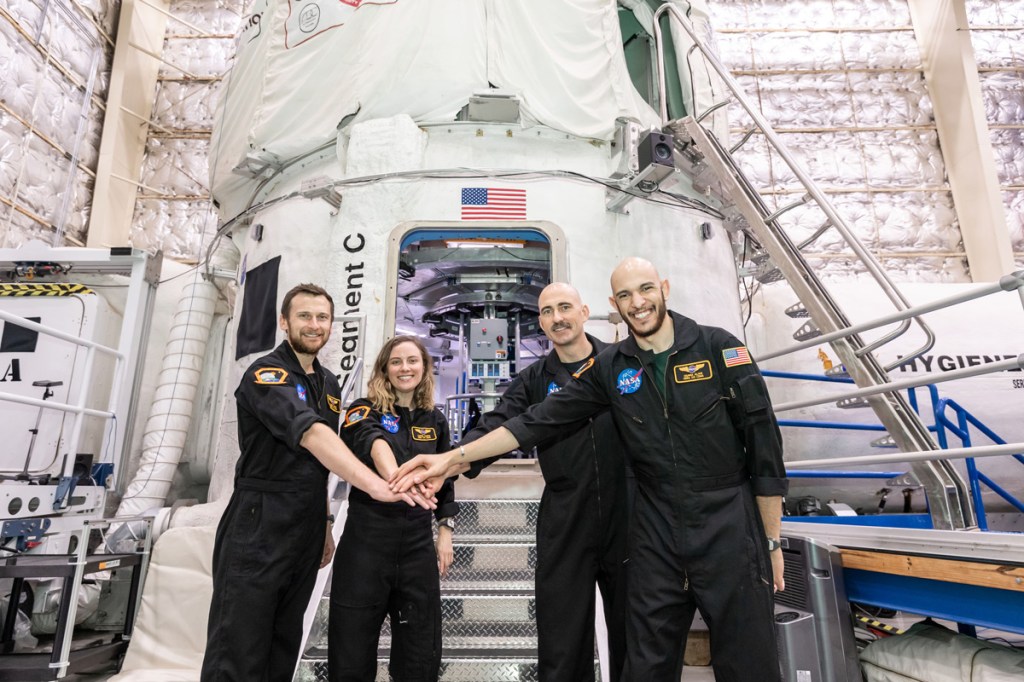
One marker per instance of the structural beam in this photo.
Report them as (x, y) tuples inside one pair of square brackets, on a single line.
[(951, 73), (133, 78)]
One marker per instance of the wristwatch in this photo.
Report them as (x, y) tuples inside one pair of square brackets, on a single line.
[(330, 518), (773, 544), (447, 522)]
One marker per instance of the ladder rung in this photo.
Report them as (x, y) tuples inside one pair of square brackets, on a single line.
[(886, 441), (838, 372), (808, 330), (853, 403), (797, 310)]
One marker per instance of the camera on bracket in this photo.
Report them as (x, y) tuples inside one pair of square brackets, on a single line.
[(654, 157), (646, 162)]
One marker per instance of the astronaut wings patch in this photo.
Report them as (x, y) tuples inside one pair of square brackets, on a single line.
[(423, 433)]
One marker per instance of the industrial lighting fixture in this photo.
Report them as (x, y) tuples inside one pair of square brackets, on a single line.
[(482, 244)]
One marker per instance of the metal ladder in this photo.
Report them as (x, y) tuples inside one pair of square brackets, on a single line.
[(711, 167)]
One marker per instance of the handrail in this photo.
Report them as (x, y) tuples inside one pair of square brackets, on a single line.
[(939, 405), (1011, 282), (351, 381), (814, 473), (78, 408), (56, 333), (920, 456), (935, 377), (873, 267)]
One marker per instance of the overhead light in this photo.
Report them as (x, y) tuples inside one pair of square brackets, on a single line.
[(482, 244)]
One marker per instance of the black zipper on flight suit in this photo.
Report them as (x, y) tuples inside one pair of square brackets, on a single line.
[(664, 404), (597, 468), (668, 426)]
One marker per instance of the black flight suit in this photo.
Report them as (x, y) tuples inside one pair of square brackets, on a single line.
[(386, 563), (700, 454), (581, 527), (271, 537)]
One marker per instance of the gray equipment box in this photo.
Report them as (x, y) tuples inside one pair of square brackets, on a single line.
[(812, 616)]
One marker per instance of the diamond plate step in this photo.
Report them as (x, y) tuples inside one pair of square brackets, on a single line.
[(478, 666), (456, 666), (492, 566), (497, 520), (496, 621)]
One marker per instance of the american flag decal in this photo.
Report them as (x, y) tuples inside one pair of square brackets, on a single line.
[(736, 356), (490, 203)]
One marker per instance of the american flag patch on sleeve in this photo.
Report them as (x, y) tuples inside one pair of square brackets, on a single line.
[(736, 356)]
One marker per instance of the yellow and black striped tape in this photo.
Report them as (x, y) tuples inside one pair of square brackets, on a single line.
[(880, 626), (44, 289)]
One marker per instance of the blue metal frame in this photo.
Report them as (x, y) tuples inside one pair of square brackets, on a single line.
[(827, 473), (961, 429), (983, 606), (880, 520)]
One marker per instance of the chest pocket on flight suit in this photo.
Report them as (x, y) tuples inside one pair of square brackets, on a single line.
[(721, 451)]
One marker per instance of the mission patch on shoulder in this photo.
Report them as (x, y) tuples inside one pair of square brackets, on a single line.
[(422, 433), (693, 371), (587, 365), (334, 403), (356, 414), (271, 376)]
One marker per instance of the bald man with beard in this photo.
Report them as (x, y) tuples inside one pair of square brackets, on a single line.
[(581, 526), (706, 451)]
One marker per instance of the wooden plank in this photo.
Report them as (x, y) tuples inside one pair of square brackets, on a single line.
[(999, 576)]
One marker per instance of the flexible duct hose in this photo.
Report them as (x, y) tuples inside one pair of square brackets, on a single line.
[(171, 412)]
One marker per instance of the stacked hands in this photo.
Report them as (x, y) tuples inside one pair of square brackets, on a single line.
[(417, 481), (421, 477)]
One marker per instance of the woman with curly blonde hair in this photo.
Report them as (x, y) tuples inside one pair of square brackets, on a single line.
[(386, 563)]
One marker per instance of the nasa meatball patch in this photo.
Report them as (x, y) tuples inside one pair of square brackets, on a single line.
[(389, 422), (553, 388), (271, 376), (629, 381)]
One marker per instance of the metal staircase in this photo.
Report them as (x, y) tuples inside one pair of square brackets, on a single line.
[(710, 165), (488, 622)]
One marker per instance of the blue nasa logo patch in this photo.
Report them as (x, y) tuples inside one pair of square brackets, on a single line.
[(301, 390), (553, 388), (629, 381), (390, 422)]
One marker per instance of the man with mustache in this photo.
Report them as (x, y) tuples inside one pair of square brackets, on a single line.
[(581, 526), (707, 454), (275, 532)]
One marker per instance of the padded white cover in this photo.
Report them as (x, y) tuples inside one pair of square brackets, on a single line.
[(929, 653), (301, 70), (170, 631)]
